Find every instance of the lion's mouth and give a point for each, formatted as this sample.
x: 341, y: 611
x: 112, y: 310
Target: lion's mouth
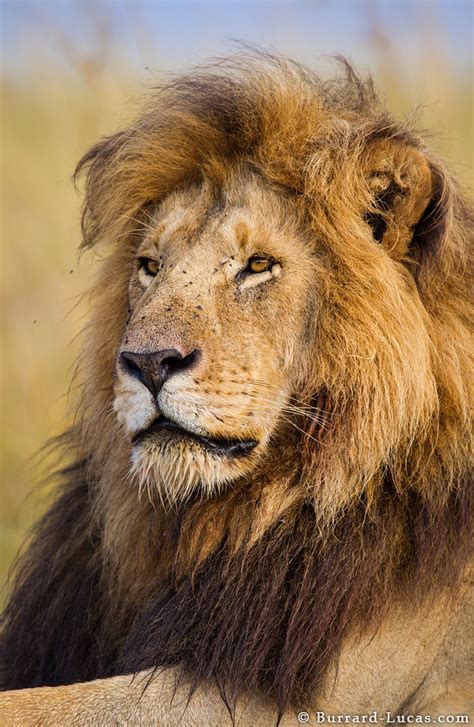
x: 221, y: 446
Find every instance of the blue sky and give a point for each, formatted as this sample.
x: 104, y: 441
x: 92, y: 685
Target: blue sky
x: 163, y: 34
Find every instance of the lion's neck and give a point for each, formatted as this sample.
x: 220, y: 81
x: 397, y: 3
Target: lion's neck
x: 252, y: 593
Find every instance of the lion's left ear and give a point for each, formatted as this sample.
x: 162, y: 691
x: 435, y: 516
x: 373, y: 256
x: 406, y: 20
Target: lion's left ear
x: 400, y: 187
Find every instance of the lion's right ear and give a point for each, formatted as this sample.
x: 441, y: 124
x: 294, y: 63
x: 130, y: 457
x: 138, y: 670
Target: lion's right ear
x: 400, y: 186
x: 412, y: 204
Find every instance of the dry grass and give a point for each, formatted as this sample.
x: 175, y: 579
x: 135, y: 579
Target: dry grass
x: 46, y: 127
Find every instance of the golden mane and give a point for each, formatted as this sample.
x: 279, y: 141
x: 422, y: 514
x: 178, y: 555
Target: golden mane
x: 276, y: 572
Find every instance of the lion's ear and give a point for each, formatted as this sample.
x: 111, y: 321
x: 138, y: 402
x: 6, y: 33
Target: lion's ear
x: 107, y: 199
x: 400, y: 187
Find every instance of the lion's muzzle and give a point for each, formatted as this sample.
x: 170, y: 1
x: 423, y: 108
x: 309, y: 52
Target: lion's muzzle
x: 223, y: 446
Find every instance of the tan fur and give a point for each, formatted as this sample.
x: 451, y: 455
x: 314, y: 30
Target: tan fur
x: 360, y: 318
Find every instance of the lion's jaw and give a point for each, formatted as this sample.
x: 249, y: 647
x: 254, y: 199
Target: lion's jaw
x: 211, y: 423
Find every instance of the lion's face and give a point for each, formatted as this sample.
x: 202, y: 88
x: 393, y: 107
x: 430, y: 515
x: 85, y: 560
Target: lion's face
x: 207, y: 361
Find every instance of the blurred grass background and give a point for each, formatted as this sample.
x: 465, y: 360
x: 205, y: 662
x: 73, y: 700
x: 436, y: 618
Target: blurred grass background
x: 70, y: 72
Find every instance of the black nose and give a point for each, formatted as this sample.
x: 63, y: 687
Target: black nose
x: 154, y: 368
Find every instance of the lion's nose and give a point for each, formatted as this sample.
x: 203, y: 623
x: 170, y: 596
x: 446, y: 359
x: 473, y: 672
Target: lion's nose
x: 154, y: 368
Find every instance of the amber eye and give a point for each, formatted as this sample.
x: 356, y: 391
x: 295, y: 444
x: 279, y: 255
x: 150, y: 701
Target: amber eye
x: 259, y: 264
x: 148, y: 266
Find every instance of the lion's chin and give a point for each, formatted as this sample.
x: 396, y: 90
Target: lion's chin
x: 175, y: 470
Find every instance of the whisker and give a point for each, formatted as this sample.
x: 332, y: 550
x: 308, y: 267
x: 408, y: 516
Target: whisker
x: 314, y: 414
x: 306, y: 434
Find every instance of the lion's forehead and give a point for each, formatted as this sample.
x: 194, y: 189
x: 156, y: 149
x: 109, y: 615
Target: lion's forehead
x: 243, y: 217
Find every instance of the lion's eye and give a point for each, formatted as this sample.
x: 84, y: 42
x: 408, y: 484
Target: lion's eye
x: 258, y: 265
x: 259, y: 269
x: 148, y: 266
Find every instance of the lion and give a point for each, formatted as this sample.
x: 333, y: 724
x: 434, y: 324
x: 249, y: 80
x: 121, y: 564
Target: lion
x: 265, y: 504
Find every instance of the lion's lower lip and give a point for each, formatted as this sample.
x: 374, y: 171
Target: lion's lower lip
x: 218, y: 445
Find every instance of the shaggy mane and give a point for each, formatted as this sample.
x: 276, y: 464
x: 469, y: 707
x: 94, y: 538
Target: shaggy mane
x: 258, y: 587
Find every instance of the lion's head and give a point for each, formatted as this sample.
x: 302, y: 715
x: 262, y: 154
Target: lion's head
x: 280, y: 253
x: 279, y: 355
